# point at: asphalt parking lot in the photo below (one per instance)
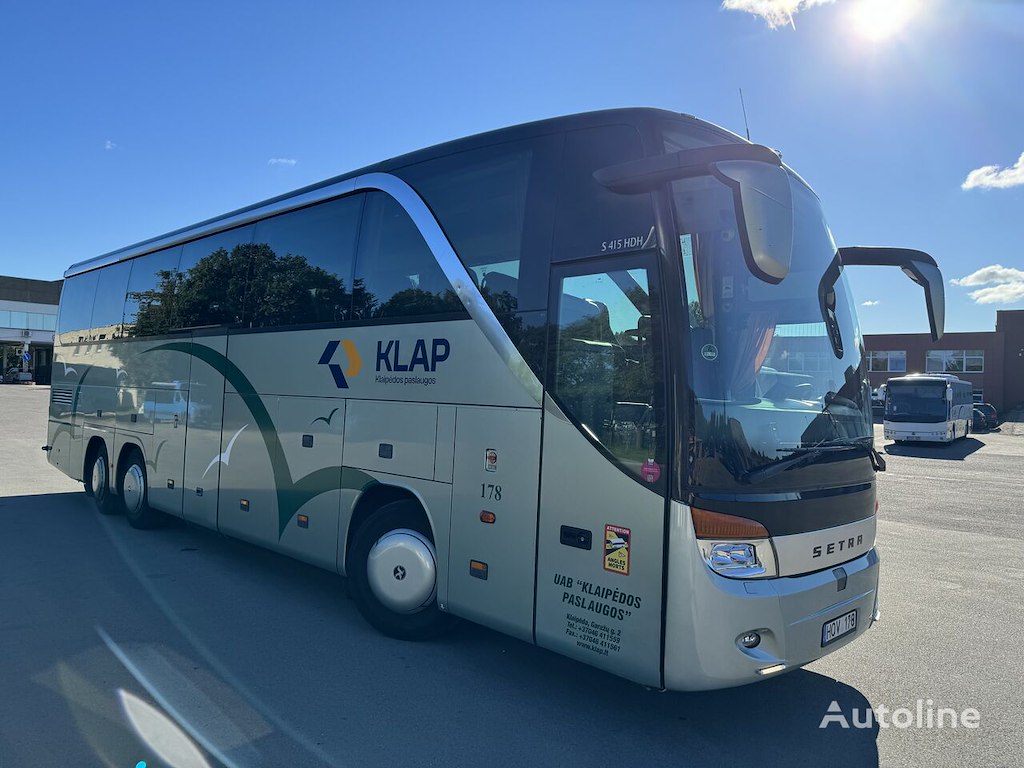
(113, 640)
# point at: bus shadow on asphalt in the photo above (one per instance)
(792, 720)
(957, 451)
(774, 722)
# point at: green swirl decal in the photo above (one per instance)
(292, 494)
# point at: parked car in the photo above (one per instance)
(878, 397)
(991, 416)
(980, 421)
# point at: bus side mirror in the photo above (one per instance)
(917, 265)
(949, 395)
(764, 204)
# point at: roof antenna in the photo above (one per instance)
(744, 107)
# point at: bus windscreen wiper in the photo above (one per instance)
(809, 454)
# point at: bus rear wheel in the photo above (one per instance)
(392, 570)
(97, 479)
(134, 490)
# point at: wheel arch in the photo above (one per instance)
(122, 461)
(369, 501)
(90, 450)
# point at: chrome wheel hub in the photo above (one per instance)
(134, 489)
(402, 571)
(99, 477)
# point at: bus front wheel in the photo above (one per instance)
(135, 494)
(392, 571)
(97, 479)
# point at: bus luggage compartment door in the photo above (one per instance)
(203, 458)
(494, 517)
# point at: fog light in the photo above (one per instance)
(772, 669)
(750, 640)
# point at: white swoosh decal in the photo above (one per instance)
(66, 368)
(224, 458)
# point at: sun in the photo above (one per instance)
(878, 20)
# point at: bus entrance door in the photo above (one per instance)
(600, 559)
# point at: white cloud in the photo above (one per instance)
(777, 13)
(997, 273)
(994, 177)
(1005, 284)
(110, 145)
(870, 303)
(282, 161)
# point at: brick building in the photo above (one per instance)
(993, 361)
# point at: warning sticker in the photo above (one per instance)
(616, 549)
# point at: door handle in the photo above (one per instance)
(575, 537)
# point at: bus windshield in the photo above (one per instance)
(923, 403)
(773, 368)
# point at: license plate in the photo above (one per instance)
(837, 628)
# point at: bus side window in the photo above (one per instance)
(591, 219)
(76, 300)
(149, 305)
(480, 199)
(496, 206)
(301, 265)
(396, 274)
(212, 279)
(108, 309)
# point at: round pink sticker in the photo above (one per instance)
(650, 471)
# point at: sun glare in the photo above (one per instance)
(879, 20)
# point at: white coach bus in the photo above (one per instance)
(928, 407)
(595, 382)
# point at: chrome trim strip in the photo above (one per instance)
(551, 407)
(405, 196)
(214, 226)
(457, 275)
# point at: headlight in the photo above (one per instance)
(733, 546)
(739, 559)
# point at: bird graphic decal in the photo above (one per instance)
(325, 419)
(225, 458)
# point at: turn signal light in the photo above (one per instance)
(716, 525)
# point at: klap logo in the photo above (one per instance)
(355, 363)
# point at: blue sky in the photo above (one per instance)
(125, 120)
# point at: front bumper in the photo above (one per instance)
(707, 613)
(918, 435)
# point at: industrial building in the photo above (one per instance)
(28, 319)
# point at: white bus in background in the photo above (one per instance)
(928, 407)
(595, 382)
